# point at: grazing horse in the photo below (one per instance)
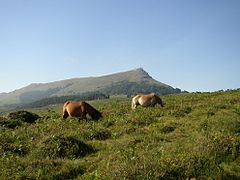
(146, 100)
(80, 109)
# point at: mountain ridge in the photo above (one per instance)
(128, 82)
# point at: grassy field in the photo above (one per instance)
(196, 135)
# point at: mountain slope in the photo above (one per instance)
(129, 82)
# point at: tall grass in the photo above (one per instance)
(195, 135)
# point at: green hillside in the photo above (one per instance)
(196, 135)
(130, 82)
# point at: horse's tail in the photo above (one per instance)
(94, 113)
(135, 101)
(65, 113)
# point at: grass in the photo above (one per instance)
(195, 135)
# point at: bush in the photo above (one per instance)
(101, 135)
(8, 123)
(182, 112)
(16, 119)
(237, 110)
(24, 116)
(15, 149)
(65, 147)
(226, 146)
(168, 128)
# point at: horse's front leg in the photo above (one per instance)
(133, 105)
(65, 114)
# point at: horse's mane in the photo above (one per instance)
(94, 113)
(158, 99)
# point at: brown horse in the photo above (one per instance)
(146, 100)
(80, 109)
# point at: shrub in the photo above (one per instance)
(231, 170)
(181, 112)
(15, 149)
(8, 123)
(226, 146)
(24, 116)
(16, 119)
(100, 134)
(237, 110)
(40, 169)
(65, 147)
(168, 128)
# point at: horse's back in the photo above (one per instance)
(66, 103)
(149, 99)
(73, 108)
(81, 109)
(146, 100)
(136, 97)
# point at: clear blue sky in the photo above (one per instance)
(193, 45)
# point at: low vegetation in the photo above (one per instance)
(196, 135)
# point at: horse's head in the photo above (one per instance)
(90, 110)
(159, 101)
(99, 115)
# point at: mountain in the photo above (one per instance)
(129, 82)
